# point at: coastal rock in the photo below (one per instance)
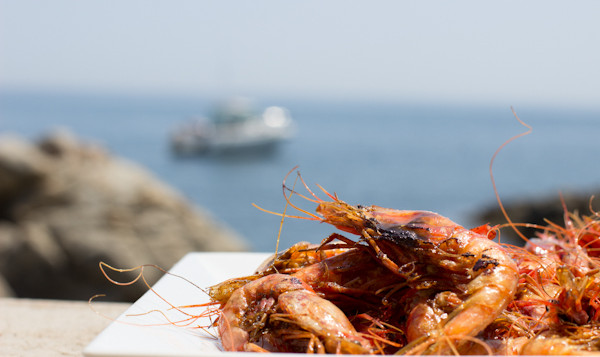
(537, 211)
(66, 205)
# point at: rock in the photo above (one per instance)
(22, 166)
(537, 211)
(66, 205)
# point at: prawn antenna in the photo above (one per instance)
(140, 276)
(287, 204)
(292, 191)
(529, 129)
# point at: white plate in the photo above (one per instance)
(130, 336)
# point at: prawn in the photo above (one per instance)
(538, 346)
(284, 312)
(478, 269)
(555, 346)
(291, 260)
(560, 260)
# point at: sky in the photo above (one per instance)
(503, 52)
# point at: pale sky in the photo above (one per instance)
(502, 52)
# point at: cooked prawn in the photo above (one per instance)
(291, 260)
(282, 311)
(475, 267)
(554, 346)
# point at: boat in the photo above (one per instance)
(234, 127)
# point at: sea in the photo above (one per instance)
(421, 156)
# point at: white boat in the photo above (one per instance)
(234, 127)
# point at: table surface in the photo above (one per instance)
(30, 327)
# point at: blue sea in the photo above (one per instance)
(428, 156)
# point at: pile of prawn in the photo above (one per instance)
(390, 281)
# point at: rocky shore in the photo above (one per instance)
(66, 205)
(538, 211)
